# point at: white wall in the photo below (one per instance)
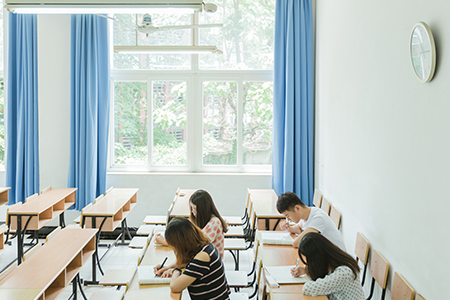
(382, 137)
(156, 191)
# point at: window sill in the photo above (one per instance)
(147, 173)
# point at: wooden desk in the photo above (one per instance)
(153, 256)
(46, 274)
(40, 211)
(265, 206)
(4, 195)
(106, 215)
(181, 206)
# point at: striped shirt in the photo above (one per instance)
(210, 282)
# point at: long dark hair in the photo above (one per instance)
(205, 209)
(185, 238)
(322, 256)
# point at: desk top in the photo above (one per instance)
(49, 261)
(265, 203)
(19, 294)
(181, 206)
(111, 203)
(43, 202)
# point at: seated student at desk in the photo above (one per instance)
(205, 215)
(204, 275)
(314, 219)
(333, 272)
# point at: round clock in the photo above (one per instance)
(423, 52)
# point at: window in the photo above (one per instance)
(196, 112)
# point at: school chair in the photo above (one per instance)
(401, 290)
(246, 231)
(143, 251)
(317, 200)
(30, 197)
(52, 234)
(325, 206)
(419, 297)
(160, 220)
(379, 268)
(46, 189)
(335, 216)
(8, 270)
(239, 279)
(362, 253)
(235, 220)
(109, 190)
(8, 222)
(107, 294)
(245, 296)
(31, 251)
(145, 230)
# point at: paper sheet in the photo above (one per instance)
(146, 275)
(282, 274)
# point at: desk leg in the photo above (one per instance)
(267, 224)
(95, 257)
(276, 224)
(123, 227)
(74, 288)
(19, 240)
(62, 223)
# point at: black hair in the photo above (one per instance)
(288, 201)
(322, 256)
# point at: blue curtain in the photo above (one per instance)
(22, 145)
(292, 164)
(90, 97)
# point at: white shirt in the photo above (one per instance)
(321, 222)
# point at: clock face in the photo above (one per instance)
(423, 52)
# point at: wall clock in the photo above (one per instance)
(423, 52)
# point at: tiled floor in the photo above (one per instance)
(120, 257)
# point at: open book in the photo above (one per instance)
(282, 275)
(146, 275)
(277, 238)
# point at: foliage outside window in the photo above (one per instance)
(196, 112)
(2, 98)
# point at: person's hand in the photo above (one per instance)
(284, 225)
(159, 239)
(167, 273)
(159, 272)
(298, 271)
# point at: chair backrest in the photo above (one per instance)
(419, 297)
(33, 250)
(252, 216)
(325, 206)
(168, 212)
(109, 190)
(8, 270)
(317, 200)
(401, 290)
(52, 234)
(379, 268)
(335, 216)
(30, 197)
(98, 198)
(46, 189)
(362, 248)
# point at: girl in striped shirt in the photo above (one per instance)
(204, 275)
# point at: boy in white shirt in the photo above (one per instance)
(313, 220)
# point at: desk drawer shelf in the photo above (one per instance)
(88, 250)
(73, 267)
(56, 287)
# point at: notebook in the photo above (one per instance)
(282, 275)
(146, 275)
(277, 238)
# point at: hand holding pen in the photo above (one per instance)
(157, 268)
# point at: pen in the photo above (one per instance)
(162, 265)
(296, 263)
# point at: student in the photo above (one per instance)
(205, 215)
(314, 220)
(332, 271)
(204, 275)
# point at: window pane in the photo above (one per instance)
(246, 38)
(124, 34)
(2, 123)
(219, 123)
(257, 129)
(130, 123)
(169, 123)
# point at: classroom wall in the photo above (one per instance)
(156, 191)
(382, 137)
